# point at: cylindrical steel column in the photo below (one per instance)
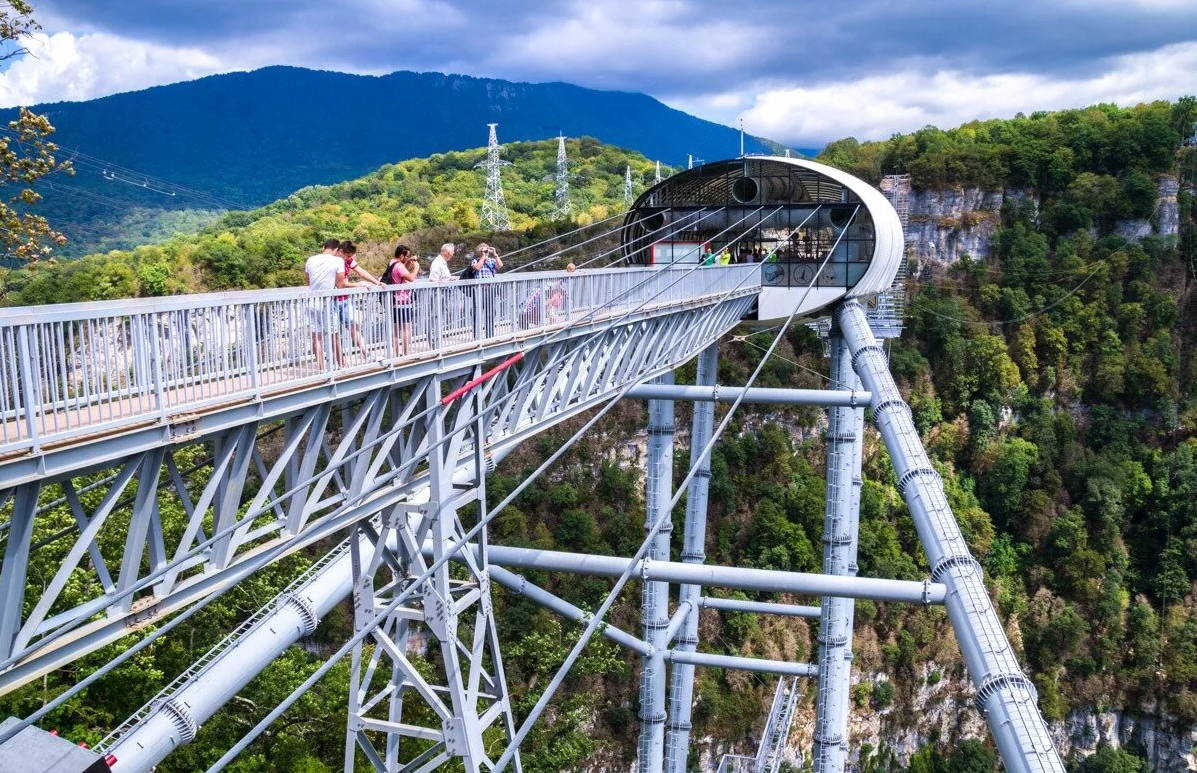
(844, 428)
(1004, 694)
(681, 686)
(655, 606)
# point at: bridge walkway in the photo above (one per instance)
(79, 371)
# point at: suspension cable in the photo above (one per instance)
(278, 550)
(451, 551)
(564, 249)
(639, 250)
(596, 619)
(231, 529)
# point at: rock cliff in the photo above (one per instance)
(947, 224)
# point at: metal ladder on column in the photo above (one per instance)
(773, 740)
(886, 314)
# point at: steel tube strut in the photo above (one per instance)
(743, 664)
(709, 393)
(759, 607)
(520, 586)
(764, 580)
(1004, 694)
(840, 522)
(654, 613)
(681, 686)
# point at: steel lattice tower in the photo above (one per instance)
(627, 187)
(562, 207)
(494, 204)
(657, 176)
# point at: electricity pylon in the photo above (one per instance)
(627, 187)
(562, 208)
(494, 204)
(657, 176)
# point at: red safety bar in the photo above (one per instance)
(502, 366)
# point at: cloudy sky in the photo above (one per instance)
(799, 71)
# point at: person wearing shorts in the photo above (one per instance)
(325, 271)
(347, 316)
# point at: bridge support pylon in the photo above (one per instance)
(681, 686)
(655, 597)
(1005, 696)
(467, 692)
(845, 428)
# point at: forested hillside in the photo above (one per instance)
(1054, 386)
(241, 140)
(423, 202)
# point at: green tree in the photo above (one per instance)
(26, 154)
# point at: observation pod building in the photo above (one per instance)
(819, 233)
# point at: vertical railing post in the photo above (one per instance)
(437, 332)
(156, 345)
(251, 344)
(476, 292)
(28, 386)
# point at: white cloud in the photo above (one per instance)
(611, 42)
(65, 66)
(876, 106)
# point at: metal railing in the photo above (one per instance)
(76, 370)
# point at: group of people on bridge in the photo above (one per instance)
(336, 267)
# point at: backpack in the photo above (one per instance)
(468, 272)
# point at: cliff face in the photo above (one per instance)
(945, 709)
(947, 224)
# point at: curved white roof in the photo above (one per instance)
(890, 244)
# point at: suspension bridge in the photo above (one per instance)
(105, 408)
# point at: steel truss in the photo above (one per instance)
(469, 694)
(317, 470)
(403, 465)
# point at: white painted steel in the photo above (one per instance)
(1004, 693)
(845, 429)
(681, 685)
(79, 370)
(766, 580)
(826, 398)
(654, 606)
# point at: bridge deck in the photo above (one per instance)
(99, 368)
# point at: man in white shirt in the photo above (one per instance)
(325, 271)
(439, 270)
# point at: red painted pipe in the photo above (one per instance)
(502, 366)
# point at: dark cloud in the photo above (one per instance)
(785, 41)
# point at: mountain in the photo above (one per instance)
(243, 139)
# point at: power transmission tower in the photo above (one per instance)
(657, 177)
(562, 208)
(627, 187)
(494, 204)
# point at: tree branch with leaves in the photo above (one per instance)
(26, 155)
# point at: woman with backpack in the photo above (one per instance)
(403, 269)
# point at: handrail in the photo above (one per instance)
(10, 315)
(74, 370)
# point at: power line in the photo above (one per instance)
(1016, 320)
